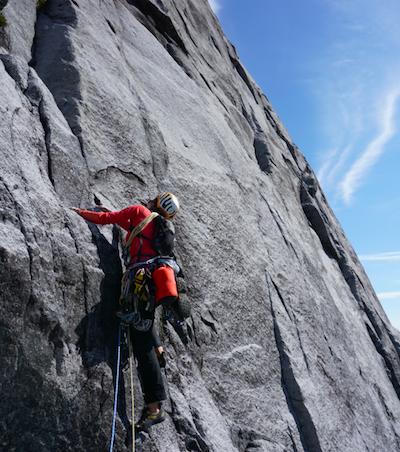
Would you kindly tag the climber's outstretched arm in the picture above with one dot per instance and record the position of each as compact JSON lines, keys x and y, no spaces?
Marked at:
{"x":121,"y":217}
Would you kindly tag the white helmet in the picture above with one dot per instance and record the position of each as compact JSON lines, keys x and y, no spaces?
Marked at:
{"x":167,"y":204}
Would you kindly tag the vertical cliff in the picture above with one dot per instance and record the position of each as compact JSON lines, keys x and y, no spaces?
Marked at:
{"x":115,"y":100}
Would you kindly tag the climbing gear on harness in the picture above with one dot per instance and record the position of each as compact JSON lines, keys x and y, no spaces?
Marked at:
{"x":167,"y":204}
{"x":149,"y":419}
{"x":162,"y":270}
{"x":117,"y":372}
{"x":137,"y":300}
{"x":141,"y":283}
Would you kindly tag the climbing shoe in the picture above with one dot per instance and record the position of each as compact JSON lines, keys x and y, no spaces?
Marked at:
{"x":148,"y":419}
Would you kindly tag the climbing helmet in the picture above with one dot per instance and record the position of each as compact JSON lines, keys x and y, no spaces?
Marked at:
{"x":167,"y":204}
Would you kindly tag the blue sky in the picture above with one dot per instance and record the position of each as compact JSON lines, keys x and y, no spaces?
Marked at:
{"x":331,"y":69}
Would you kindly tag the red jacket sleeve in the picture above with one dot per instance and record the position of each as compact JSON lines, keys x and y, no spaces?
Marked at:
{"x":121,"y":217}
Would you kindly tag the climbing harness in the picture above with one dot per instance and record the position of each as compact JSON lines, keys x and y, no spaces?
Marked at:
{"x":156,"y":261}
{"x":143,"y":286}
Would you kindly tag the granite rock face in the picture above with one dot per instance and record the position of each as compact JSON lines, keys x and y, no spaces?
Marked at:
{"x":288,"y":347}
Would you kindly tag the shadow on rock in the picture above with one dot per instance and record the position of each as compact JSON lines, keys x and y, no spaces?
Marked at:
{"x":98,"y":330}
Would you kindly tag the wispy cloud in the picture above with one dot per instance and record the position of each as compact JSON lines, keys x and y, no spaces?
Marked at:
{"x":388,"y":295}
{"x":344,"y":97}
{"x":324,"y":170}
{"x":352,"y":86}
{"x":389,"y":256}
{"x":374,"y":150}
{"x":337,"y":164}
{"x":215,"y":5}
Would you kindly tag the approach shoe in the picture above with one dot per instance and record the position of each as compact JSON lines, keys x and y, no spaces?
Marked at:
{"x":148,"y":419}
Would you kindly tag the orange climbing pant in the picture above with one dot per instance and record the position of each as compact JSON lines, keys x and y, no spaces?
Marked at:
{"x":165,"y":284}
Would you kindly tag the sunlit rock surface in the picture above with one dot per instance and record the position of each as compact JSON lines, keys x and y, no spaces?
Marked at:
{"x":288,"y":347}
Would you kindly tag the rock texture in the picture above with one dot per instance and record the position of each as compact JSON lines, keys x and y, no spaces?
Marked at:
{"x":288,"y":347}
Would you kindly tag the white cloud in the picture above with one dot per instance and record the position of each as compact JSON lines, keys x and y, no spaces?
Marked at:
{"x":343,"y":119}
{"x":389,"y":256}
{"x":215,"y":5}
{"x":339,"y":162}
{"x":325,"y":167}
{"x":374,"y":150}
{"x":388,"y":295}
{"x":351,"y":82}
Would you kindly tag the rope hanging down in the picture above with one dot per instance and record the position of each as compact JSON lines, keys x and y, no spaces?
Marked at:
{"x":116,"y":388}
{"x":118,"y":370}
{"x":132,"y":388}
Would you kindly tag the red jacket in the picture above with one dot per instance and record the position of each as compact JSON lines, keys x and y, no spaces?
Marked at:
{"x":142,"y":246}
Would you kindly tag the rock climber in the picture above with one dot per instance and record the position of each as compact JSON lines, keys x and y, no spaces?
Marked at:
{"x":144,"y":251}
